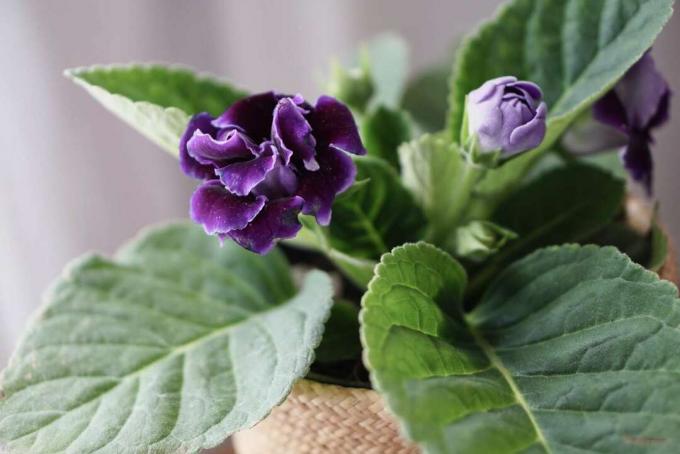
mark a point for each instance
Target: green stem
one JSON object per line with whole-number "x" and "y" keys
{"x": 448, "y": 222}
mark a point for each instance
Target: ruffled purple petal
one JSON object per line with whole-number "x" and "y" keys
{"x": 280, "y": 182}
{"x": 334, "y": 126}
{"x": 189, "y": 165}
{"x": 252, "y": 115}
{"x": 318, "y": 189}
{"x": 220, "y": 211}
{"x": 278, "y": 220}
{"x": 637, "y": 159}
{"x": 208, "y": 150}
{"x": 528, "y": 135}
{"x": 241, "y": 177}
{"x": 293, "y": 134}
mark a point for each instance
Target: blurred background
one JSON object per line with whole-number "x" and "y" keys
{"x": 75, "y": 179}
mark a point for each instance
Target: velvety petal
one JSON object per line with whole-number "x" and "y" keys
{"x": 336, "y": 173}
{"x": 637, "y": 159}
{"x": 252, "y": 115}
{"x": 485, "y": 117}
{"x": 529, "y": 135}
{"x": 293, "y": 134}
{"x": 241, "y": 177}
{"x": 333, "y": 125}
{"x": 189, "y": 165}
{"x": 220, "y": 211}
{"x": 277, "y": 220}
{"x": 208, "y": 150}
{"x": 641, "y": 91}
{"x": 610, "y": 111}
{"x": 280, "y": 182}
{"x": 662, "y": 114}
{"x": 532, "y": 91}
{"x": 489, "y": 89}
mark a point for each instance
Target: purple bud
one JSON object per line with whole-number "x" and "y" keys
{"x": 266, "y": 159}
{"x": 637, "y": 104}
{"x": 507, "y": 115}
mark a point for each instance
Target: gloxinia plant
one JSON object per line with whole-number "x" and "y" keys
{"x": 461, "y": 262}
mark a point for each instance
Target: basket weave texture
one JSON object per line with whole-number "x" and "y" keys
{"x": 322, "y": 418}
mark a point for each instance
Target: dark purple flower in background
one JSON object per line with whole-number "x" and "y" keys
{"x": 266, "y": 159}
{"x": 637, "y": 104}
{"x": 507, "y": 114}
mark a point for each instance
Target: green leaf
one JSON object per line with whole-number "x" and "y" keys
{"x": 376, "y": 214}
{"x": 383, "y": 130}
{"x": 387, "y": 58}
{"x": 573, "y": 349}
{"x": 477, "y": 240}
{"x": 658, "y": 247}
{"x": 425, "y": 97}
{"x": 156, "y": 100}
{"x": 574, "y": 49}
{"x": 341, "y": 335}
{"x": 435, "y": 172}
{"x": 170, "y": 348}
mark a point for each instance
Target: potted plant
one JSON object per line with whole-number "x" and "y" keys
{"x": 381, "y": 271}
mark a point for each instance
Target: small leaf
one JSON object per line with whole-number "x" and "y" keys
{"x": 425, "y": 97}
{"x": 574, "y": 49}
{"x": 383, "y": 130}
{"x": 477, "y": 240}
{"x": 573, "y": 349}
{"x": 387, "y": 57}
{"x": 156, "y": 100}
{"x": 375, "y": 216}
{"x": 171, "y": 348}
{"x": 658, "y": 247}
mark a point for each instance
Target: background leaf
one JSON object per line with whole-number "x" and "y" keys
{"x": 383, "y": 130}
{"x": 387, "y": 58}
{"x": 425, "y": 97}
{"x": 574, "y": 49}
{"x": 573, "y": 349}
{"x": 156, "y": 100}
{"x": 341, "y": 335}
{"x": 376, "y": 214}
{"x": 565, "y": 205}
{"x": 171, "y": 348}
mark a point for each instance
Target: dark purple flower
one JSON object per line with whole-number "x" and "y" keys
{"x": 637, "y": 104}
{"x": 266, "y": 159}
{"x": 507, "y": 114}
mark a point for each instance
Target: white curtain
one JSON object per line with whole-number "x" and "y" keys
{"x": 74, "y": 179}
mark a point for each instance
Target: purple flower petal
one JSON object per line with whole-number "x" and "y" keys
{"x": 530, "y": 134}
{"x": 489, "y": 89}
{"x": 293, "y": 134}
{"x": 279, "y": 219}
{"x": 189, "y": 165}
{"x": 207, "y": 150}
{"x": 252, "y": 115}
{"x": 637, "y": 159}
{"x": 610, "y": 111}
{"x": 280, "y": 182}
{"x": 220, "y": 211}
{"x": 241, "y": 177}
{"x": 336, "y": 173}
{"x": 334, "y": 126}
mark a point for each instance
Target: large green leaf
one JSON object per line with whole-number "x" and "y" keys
{"x": 574, "y": 49}
{"x": 572, "y": 350}
{"x": 376, "y": 214}
{"x": 170, "y": 348}
{"x": 156, "y": 100}
{"x": 565, "y": 205}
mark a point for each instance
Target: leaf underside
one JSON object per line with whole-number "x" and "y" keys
{"x": 572, "y": 350}
{"x": 171, "y": 348}
{"x": 154, "y": 99}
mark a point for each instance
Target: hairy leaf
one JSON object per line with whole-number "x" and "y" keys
{"x": 156, "y": 100}
{"x": 573, "y": 349}
{"x": 170, "y": 348}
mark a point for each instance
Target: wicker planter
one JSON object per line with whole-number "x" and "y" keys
{"x": 320, "y": 418}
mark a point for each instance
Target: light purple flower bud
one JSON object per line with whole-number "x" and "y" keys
{"x": 507, "y": 114}
{"x": 266, "y": 159}
{"x": 637, "y": 104}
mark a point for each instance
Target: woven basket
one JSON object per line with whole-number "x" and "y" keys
{"x": 319, "y": 418}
